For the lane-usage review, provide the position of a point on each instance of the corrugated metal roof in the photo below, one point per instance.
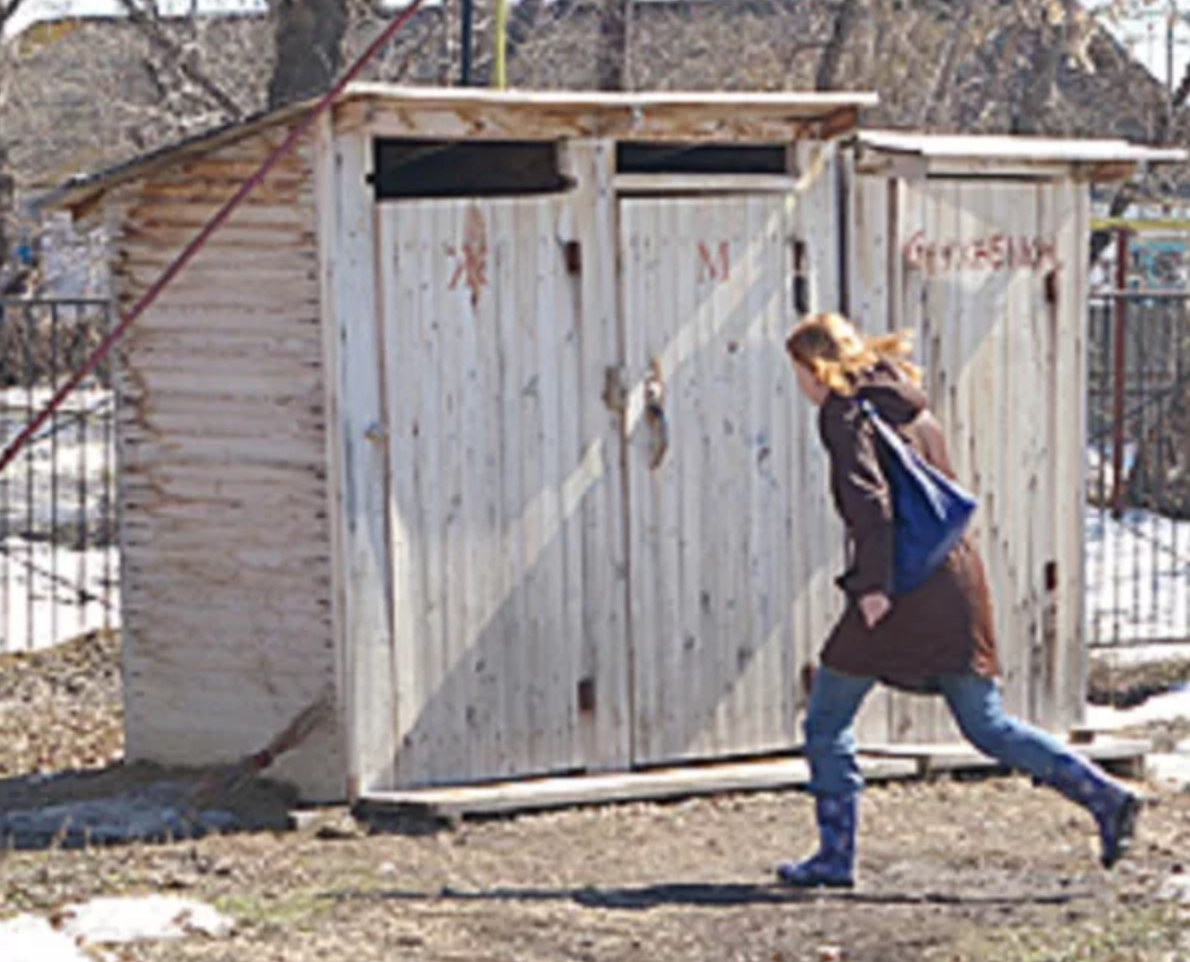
(794, 106)
(994, 148)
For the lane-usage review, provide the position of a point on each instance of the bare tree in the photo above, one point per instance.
(7, 180)
(955, 45)
(612, 60)
(847, 16)
(308, 36)
(8, 11)
(184, 61)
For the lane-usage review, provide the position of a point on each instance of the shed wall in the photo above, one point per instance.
(468, 664)
(226, 539)
(991, 276)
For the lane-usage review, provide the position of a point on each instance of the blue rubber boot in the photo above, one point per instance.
(1114, 807)
(832, 866)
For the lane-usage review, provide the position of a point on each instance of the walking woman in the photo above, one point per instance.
(937, 638)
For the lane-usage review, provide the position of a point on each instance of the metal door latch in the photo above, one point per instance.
(655, 415)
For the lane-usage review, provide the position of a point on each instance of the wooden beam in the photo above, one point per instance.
(910, 167)
(1108, 172)
(931, 759)
(359, 445)
(663, 783)
(840, 122)
(654, 184)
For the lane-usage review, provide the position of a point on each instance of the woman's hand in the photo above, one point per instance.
(874, 608)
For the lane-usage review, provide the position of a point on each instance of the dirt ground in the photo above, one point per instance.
(951, 870)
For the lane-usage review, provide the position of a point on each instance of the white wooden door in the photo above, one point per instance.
(991, 275)
(730, 537)
(994, 285)
(505, 510)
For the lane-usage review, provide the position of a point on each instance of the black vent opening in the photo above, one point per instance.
(465, 168)
(700, 159)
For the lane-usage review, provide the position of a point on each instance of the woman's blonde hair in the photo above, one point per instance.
(830, 348)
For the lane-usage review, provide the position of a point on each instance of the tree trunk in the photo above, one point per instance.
(8, 11)
(945, 74)
(309, 48)
(7, 192)
(1127, 193)
(830, 66)
(611, 65)
(1029, 110)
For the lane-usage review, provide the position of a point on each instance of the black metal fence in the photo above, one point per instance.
(59, 560)
(58, 526)
(1138, 515)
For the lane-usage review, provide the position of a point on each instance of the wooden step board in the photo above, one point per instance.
(1124, 756)
(652, 785)
(767, 774)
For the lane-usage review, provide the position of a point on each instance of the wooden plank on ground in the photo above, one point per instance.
(932, 759)
(767, 774)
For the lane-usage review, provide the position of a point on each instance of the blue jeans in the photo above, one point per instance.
(974, 701)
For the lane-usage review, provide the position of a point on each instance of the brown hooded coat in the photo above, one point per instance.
(945, 626)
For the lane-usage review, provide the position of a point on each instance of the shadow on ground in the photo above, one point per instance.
(702, 895)
(132, 803)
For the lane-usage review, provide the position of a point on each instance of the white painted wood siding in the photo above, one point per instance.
(504, 511)
(223, 487)
(730, 550)
(1006, 375)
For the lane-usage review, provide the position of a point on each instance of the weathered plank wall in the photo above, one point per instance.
(510, 652)
(732, 545)
(967, 264)
(223, 483)
(485, 592)
(724, 542)
(556, 603)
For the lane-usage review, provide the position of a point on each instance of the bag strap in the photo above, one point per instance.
(884, 435)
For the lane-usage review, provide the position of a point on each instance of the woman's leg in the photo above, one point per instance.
(975, 703)
(835, 780)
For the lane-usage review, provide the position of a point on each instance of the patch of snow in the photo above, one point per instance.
(108, 921)
(157, 813)
(114, 921)
(1171, 768)
(59, 565)
(1169, 706)
(28, 938)
(1101, 471)
(51, 594)
(1140, 653)
(64, 476)
(1176, 888)
(1138, 577)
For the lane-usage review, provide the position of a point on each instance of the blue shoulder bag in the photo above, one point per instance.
(930, 512)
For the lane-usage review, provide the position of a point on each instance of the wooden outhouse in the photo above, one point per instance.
(980, 245)
(476, 416)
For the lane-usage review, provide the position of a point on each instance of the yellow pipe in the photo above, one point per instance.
(499, 77)
(1140, 225)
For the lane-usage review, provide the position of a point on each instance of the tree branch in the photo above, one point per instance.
(944, 76)
(177, 57)
(7, 11)
(522, 21)
(1177, 101)
(1127, 193)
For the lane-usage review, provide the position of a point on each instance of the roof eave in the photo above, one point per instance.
(837, 113)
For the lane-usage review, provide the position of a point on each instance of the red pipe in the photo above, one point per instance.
(175, 267)
(1119, 374)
